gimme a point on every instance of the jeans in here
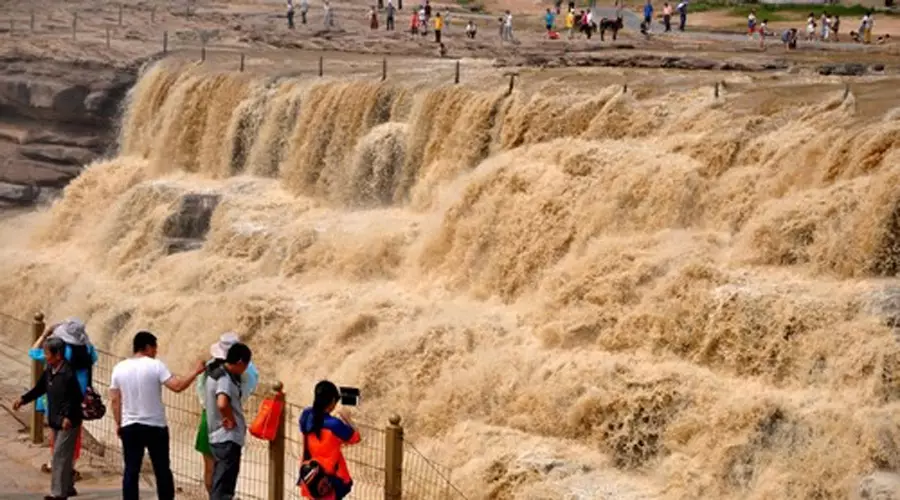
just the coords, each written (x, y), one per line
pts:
(62, 481)
(227, 457)
(135, 438)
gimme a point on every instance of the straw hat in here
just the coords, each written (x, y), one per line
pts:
(219, 350)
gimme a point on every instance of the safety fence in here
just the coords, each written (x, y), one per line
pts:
(383, 464)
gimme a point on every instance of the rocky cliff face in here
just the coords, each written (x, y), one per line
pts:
(55, 117)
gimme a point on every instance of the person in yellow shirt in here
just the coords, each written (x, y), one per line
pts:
(570, 22)
(438, 26)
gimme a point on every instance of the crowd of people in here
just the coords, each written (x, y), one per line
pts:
(65, 395)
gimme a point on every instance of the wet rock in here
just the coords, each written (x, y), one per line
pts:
(843, 69)
(880, 485)
(17, 194)
(884, 303)
(60, 155)
(186, 229)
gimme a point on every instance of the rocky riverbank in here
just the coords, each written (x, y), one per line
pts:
(55, 117)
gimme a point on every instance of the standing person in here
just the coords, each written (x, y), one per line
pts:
(323, 437)
(763, 32)
(304, 8)
(667, 17)
(836, 27)
(227, 425)
(549, 21)
(373, 19)
(558, 5)
(751, 23)
(329, 16)
(648, 14)
(414, 23)
(570, 23)
(423, 22)
(290, 14)
(682, 14)
(81, 355)
(64, 397)
(869, 23)
(427, 9)
(249, 381)
(135, 391)
(824, 21)
(508, 27)
(438, 26)
(389, 21)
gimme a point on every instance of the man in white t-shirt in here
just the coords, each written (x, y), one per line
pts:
(136, 396)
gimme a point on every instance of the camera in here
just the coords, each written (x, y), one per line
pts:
(349, 396)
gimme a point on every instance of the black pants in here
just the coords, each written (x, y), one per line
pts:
(136, 438)
(290, 18)
(303, 16)
(390, 23)
(682, 21)
(227, 466)
(667, 20)
(437, 36)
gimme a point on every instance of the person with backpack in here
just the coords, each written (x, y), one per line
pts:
(323, 471)
(227, 424)
(249, 381)
(81, 356)
(64, 417)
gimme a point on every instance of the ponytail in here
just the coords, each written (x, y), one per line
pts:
(326, 394)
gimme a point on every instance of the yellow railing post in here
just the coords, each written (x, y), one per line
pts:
(393, 459)
(276, 451)
(37, 369)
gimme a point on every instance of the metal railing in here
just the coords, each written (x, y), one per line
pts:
(383, 464)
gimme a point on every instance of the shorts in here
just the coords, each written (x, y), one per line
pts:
(201, 444)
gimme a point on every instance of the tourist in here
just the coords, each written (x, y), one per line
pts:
(549, 21)
(304, 8)
(249, 381)
(64, 396)
(570, 23)
(389, 20)
(227, 425)
(81, 355)
(471, 29)
(135, 391)
(290, 14)
(648, 14)
(373, 19)
(667, 17)
(323, 437)
(836, 27)
(414, 23)
(789, 38)
(811, 27)
(824, 21)
(682, 14)
(329, 15)
(438, 27)
(508, 27)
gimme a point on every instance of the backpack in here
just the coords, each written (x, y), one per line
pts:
(92, 407)
(314, 477)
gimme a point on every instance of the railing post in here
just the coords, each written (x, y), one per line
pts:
(393, 459)
(37, 369)
(276, 451)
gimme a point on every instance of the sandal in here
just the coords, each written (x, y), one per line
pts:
(45, 468)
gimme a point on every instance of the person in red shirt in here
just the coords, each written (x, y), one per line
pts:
(323, 437)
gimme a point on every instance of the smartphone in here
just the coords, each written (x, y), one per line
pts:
(349, 396)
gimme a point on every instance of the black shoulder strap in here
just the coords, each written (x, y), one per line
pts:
(306, 455)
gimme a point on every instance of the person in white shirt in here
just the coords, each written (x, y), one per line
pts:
(135, 393)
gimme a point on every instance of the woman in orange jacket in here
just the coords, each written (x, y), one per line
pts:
(323, 437)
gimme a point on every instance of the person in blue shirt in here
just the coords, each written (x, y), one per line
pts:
(648, 14)
(549, 20)
(78, 345)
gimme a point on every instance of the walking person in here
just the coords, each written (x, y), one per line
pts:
(64, 397)
(249, 381)
(227, 425)
(323, 437)
(648, 15)
(135, 392)
(304, 9)
(667, 17)
(290, 14)
(389, 21)
(81, 355)
(438, 27)
(329, 16)
(682, 14)
(549, 21)
(373, 19)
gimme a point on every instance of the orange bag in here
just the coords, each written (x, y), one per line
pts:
(265, 425)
